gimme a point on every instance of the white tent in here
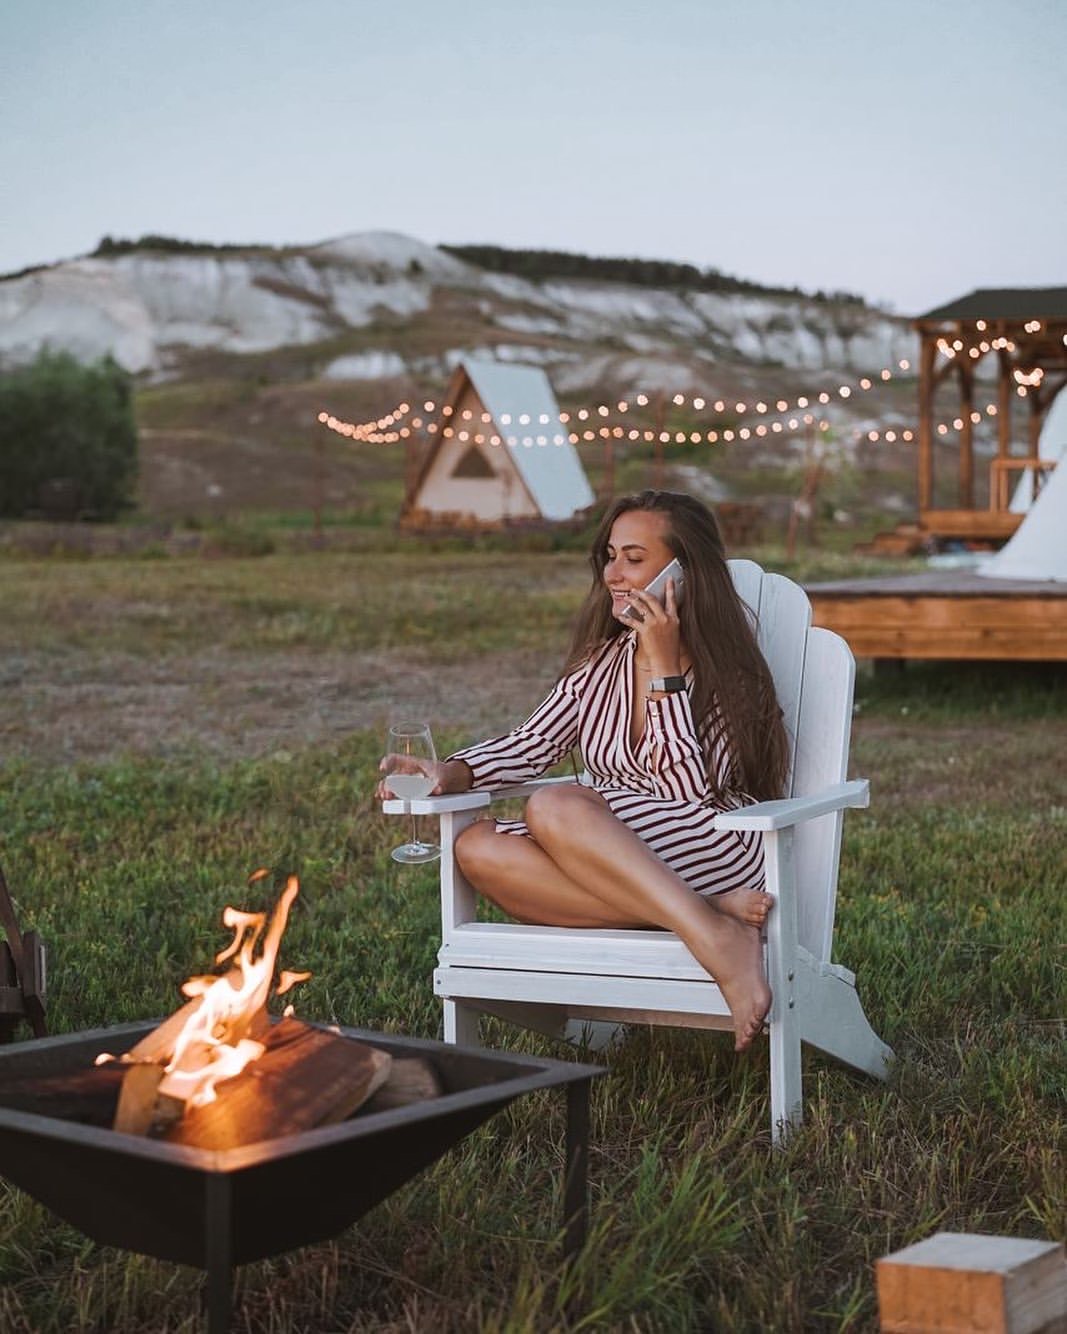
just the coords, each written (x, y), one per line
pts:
(1038, 549)
(500, 452)
(1052, 445)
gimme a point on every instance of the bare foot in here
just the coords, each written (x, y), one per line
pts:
(744, 985)
(747, 905)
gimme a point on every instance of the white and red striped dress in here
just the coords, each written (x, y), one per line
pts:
(660, 789)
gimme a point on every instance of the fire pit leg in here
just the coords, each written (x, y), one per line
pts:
(576, 1182)
(218, 1235)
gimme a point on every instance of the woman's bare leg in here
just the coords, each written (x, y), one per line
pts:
(586, 868)
(522, 878)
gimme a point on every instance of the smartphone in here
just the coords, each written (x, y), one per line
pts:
(658, 587)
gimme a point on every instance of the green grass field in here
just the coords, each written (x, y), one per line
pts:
(228, 715)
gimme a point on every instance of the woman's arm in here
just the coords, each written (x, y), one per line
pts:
(532, 747)
(682, 754)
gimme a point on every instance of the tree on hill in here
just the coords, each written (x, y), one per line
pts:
(538, 264)
(68, 440)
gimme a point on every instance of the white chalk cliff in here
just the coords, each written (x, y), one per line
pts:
(146, 308)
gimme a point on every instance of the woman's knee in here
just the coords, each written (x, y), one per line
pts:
(475, 847)
(554, 811)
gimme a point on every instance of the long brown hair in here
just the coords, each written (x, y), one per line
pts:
(728, 668)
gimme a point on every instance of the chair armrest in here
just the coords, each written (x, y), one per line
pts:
(769, 815)
(468, 801)
(457, 801)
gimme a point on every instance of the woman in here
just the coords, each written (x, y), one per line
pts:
(673, 708)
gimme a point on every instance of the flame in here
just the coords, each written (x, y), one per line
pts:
(215, 1043)
(288, 979)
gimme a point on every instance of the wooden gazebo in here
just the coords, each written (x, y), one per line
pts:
(1026, 331)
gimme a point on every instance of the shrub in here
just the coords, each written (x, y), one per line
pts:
(68, 441)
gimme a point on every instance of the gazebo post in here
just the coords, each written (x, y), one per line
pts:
(1004, 398)
(927, 357)
(966, 378)
(1037, 418)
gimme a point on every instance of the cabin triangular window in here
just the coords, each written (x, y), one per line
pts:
(473, 464)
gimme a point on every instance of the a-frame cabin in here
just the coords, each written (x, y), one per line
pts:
(500, 454)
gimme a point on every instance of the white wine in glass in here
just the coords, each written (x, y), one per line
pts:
(409, 774)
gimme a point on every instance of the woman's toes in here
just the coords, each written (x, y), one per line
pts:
(752, 1027)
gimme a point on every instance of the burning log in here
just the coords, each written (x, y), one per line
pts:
(306, 1077)
(217, 1074)
(411, 1079)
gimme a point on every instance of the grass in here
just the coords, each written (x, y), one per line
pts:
(952, 912)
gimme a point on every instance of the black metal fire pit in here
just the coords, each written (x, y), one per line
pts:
(217, 1209)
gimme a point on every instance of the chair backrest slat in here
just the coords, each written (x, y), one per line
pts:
(822, 761)
(814, 674)
(783, 615)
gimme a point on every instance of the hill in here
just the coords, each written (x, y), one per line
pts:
(379, 304)
(237, 348)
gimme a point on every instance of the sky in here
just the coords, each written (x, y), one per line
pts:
(906, 150)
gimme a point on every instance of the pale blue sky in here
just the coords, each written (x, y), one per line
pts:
(909, 150)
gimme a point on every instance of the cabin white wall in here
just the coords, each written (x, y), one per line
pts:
(484, 498)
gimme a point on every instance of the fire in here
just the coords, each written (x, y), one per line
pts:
(217, 1040)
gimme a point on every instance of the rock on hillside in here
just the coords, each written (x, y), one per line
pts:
(148, 308)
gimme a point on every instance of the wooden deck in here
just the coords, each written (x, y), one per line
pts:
(946, 614)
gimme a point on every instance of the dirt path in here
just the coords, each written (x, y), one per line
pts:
(56, 709)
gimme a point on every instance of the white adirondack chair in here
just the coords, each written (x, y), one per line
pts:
(557, 980)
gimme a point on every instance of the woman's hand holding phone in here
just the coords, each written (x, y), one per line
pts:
(658, 629)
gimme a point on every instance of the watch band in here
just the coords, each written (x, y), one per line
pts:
(671, 685)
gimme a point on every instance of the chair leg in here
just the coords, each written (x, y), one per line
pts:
(787, 1092)
(461, 1024)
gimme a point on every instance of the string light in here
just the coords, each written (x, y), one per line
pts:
(381, 430)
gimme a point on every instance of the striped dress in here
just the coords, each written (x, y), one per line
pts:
(660, 789)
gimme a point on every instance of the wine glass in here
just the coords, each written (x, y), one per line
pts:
(409, 774)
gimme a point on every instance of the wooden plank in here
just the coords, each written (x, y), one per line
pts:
(87, 1096)
(1019, 628)
(609, 951)
(965, 1283)
(942, 583)
(821, 761)
(949, 614)
(978, 525)
(411, 1079)
(784, 618)
(137, 1101)
(307, 1077)
(596, 993)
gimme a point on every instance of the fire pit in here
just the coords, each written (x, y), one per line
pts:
(215, 1209)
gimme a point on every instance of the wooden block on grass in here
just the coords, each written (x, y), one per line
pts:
(966, 1283)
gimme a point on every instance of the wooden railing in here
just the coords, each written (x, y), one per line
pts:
(1000, 470)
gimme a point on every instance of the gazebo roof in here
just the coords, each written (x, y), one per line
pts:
(1004, 303)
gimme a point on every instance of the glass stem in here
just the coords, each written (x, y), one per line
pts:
(414, 836)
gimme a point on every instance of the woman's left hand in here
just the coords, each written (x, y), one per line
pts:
(658, 631)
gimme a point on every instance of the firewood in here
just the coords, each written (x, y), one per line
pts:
(159, 1044)
(307, 1077)
(411, 1079)
(136, 1109)
(86, 1096)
